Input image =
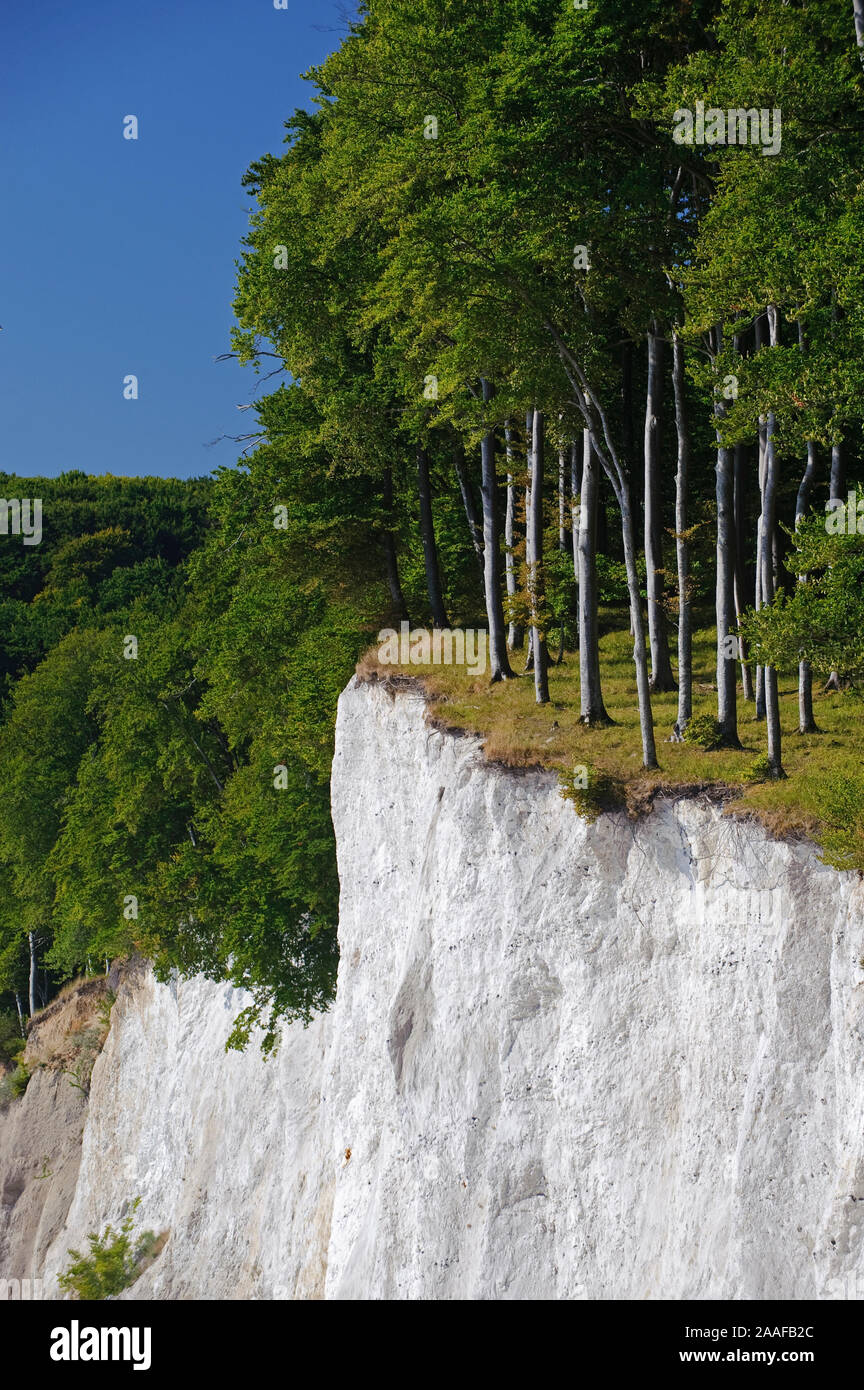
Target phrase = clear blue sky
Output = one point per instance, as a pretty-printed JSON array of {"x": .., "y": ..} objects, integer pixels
[{"x": 117, "y": 256}]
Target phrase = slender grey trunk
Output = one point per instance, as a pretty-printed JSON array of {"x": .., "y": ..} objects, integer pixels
[
  {"x": 738, "y": 467},
  {"x": 806, "y": 719},
  {"x": 575, "y": 489},
  {"x": 562, "y": 498},
  {"x": 769, "y": 513},
  {"x": 397, "y": 598},
  {"x": 498, "y": 660},
  {"x": 837, "y": 489},
  {"x": 640, "y": 656},
  {"x": 592, "y": 412},
  {"x": 529, "y": 430},
  {"x": 32, "y": 942},
  {"x": 475, "y": 529},
  {"x": 591, "y": 707},
  {"x": 838, "y": 471},
  {"x": 516, "y": 636},
  {"x": 535, "y": 562},
  {"x": 427, "y": 535},
  {"x": 682, "y": 547},
  {"x": 662, "y": 677},
  {"x": 858, "y": 13},
  {"x": 727, "y": 688},
  {"x": 759, "y": 340},
  {"x": 20, "y": 1014}
]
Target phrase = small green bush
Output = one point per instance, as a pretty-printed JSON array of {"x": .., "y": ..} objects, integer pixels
[
  {"x": 840, "y": 803},
  {"x": 11, "y": 1041},
  {"x": 114, "y": 1262},
  {"x": 760, "y": 770},
  {"x": 106, "y": 1004},
  {"x": 705, "y": 731},
  {"x": 13, "y": 1086},
  {"x": 591, "y": 792}
]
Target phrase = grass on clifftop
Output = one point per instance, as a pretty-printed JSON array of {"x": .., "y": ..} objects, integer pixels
[{"x": 519, "y": 733}]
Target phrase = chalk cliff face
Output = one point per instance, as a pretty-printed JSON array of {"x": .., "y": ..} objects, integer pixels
[{"x": 619, "y": 1060}]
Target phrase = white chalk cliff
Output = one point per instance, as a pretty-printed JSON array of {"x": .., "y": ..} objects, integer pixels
[{"x": 566, "y": 1060}]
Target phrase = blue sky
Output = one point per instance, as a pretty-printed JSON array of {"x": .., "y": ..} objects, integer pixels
[{"x": 117, "y": 256}]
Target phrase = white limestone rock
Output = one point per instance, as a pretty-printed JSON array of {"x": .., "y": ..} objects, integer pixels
[{"x": 617, "y": 1060}]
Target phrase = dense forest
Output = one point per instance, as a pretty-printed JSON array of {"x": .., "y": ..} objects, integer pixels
[{"x": 554, "y": 313}]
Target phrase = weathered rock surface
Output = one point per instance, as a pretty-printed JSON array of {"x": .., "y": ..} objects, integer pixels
[
  {"x": 619, "y": 1060},
  {"x": 40, "y": 1135}
]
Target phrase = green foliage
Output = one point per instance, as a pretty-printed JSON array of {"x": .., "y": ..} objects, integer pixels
[
  {"x": 611, "y": 580},
  {"x": 705, "y": 732},
  {"x": 14, "y": 1084},
  {"x": 113, "y": 1263},
  {"x": 840, "y": 800},
  {"x": 823, "y": 619},
  {"x": 760, "y": 770},
  {"x": 11, "y": 1040},
  {"x": 106, "y": 1004},
  {"x": 87, "y": 1049}
]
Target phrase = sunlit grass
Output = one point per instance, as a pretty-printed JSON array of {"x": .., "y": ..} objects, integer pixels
[{"x": 518, "y": 732}]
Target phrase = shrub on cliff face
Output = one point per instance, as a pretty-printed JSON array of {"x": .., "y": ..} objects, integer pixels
[
  {"x": 11, "y": 1040},
  {"x": 590, "y": 791},
  {"x": 14, "y": 1085},
  {"x": 115, "y": 1261}
]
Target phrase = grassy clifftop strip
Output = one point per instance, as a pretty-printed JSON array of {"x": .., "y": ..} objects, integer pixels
[{"x": 517, "y": 732}]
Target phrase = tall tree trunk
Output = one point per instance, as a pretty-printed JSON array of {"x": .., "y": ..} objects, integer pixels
[
  {"x": 682, "y": 547},
  {"x": 640, "y": 656},
  {"x": 498, "y": 659},
  {"x": 739, "y": 463},
  {"x": 20, "y": 1014},
  {"x": 769, "y": 517},
  {"x": 759, "y": 338},
  {"x": 661, "y": 666},
  {"x": 397, "y": 598},
  {"x": 475, "y": 529},
  {"x": 727, "y": 689},
  {"x": 535, "y": 562},
  {"x": 837, "y": 488},
  {"x": 806, "y": 719},
  {"x": 858, "y": 13},
  {"x": 516, "y": 636},
  {"x": 32, "y": 943},
  {"x": 595, "y": 416},
  {"x": 562, "y": 498},
  {"x": 838, "y": 471},
  {"x": 529, "y": 431},
  {"x": 427, "y": 535},
  {"x": 591, "y": 707},
  {"x": 575, "y": 489}
]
